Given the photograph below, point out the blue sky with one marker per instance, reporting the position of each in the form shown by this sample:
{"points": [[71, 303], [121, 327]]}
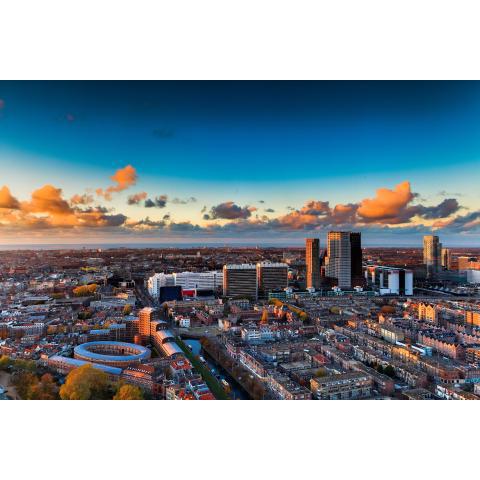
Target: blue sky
{"points": [[236, 143]]}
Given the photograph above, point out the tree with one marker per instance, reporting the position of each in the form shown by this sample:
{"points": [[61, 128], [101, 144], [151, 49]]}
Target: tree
{"points": [[85, 290], [86, 383], [389, 370], [4, 362], [24, 383], [127, 309], [45, 389], [264, 319], [128, 392]]}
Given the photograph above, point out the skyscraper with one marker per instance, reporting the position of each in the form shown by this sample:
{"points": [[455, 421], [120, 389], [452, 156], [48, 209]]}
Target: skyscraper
{"points": [[356, 259], [432, 254], [344, 258], [312, 260], [446, 259], [145, 318]]}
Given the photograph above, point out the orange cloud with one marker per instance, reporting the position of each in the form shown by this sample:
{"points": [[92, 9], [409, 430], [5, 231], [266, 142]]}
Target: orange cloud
{"points": [[7, 200], [47, 209], [387, 206], [47, 199], [123, 178]]}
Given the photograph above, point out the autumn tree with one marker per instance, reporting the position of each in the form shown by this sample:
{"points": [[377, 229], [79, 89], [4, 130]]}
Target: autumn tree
{"points": [[264, 319], [127, 310], [24, 383], [86, 383], [45, 389], [4, 362], [85, 290], [128, 392]]}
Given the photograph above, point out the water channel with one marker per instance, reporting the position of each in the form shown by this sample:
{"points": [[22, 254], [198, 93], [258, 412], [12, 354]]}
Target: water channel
{"points": [[238, 393]]}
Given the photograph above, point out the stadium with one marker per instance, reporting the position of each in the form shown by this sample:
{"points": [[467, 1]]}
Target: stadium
{"points": [[114, 354]]}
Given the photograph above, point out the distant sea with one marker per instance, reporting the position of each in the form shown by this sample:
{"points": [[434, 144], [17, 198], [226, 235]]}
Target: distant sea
{"points": [[106, 246]]}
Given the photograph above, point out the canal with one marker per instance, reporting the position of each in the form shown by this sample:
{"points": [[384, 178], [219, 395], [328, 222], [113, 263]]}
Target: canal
{"points": [[238, 393]]}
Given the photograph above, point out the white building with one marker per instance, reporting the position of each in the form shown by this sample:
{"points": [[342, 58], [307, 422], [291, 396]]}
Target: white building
{"points": [[473, 276], [199, 280], [187, 280], [155, 282], [390, 280]]}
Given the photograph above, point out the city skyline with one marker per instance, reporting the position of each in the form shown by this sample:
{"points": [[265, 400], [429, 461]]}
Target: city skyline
{"points": [[238, 162]]}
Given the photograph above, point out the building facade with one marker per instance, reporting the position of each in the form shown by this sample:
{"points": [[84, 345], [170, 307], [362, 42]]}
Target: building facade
{"points": [[344, 259], [240, 281], [271, 277], [432, 254], [312, 261]]}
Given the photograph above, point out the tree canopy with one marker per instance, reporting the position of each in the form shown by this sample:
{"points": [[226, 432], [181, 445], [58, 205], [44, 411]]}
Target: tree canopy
{"points": [[85, 290], [86, 383], [128, 392]]}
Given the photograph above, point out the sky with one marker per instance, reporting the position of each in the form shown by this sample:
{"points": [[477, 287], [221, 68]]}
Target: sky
{"points": [[239, 162]]}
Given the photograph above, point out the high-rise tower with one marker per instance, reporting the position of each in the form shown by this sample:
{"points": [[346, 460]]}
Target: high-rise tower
{"points": [[312, 260], [432, 254], [344, 258]]}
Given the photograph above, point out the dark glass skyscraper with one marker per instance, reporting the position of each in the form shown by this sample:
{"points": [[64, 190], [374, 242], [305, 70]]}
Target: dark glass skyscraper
{"points": [[356, 259]]}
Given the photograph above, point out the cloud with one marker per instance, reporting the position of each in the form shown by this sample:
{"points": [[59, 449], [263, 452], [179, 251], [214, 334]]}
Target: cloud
{"points": [[180, 201], [7, 200], [158, 202], [461, 223], [136, 198], [47, 199], [123, 179], [444, 209], [48, 209], [84, 199], [387, 206], [389, 211], [444, 193], [229, 211]]}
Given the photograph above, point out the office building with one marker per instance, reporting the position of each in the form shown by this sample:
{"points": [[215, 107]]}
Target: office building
{"points": [[432, 253], [198, 280], [145, 319], [356, 258], [312, 260], [186, 280], [390, 280], [446, 259], [240, 281], [271, 277], [344, 259], [157, 281]]}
